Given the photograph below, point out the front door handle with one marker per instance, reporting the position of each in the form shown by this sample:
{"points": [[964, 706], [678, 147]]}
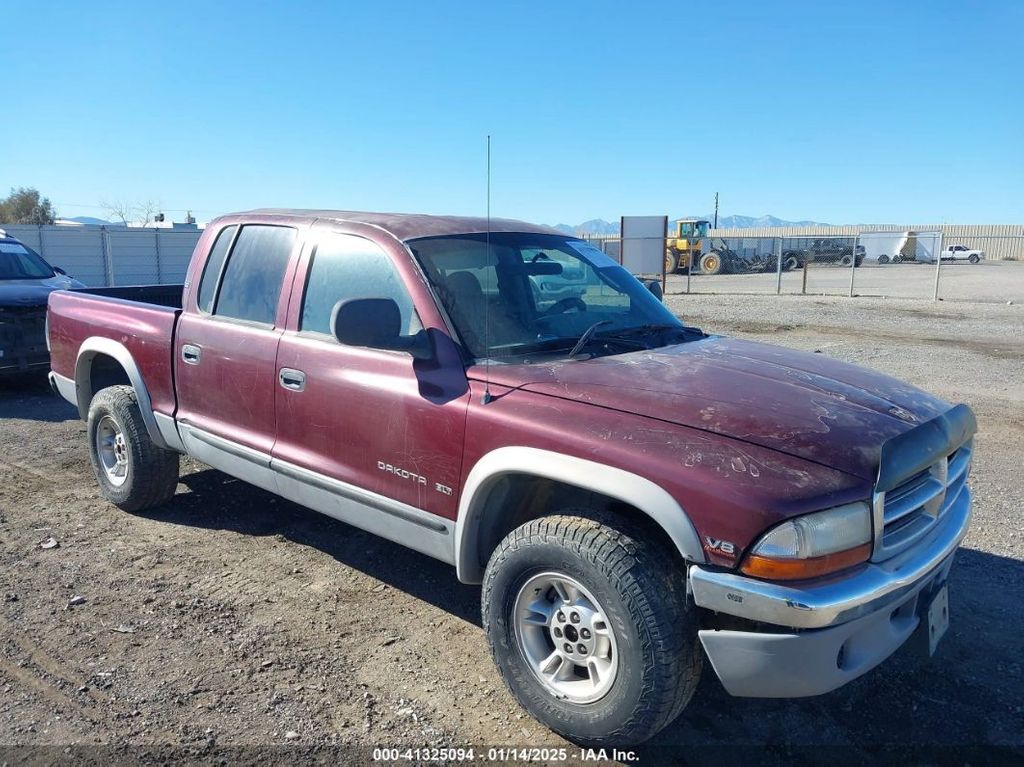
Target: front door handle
{"points": [[191, 354], [291, 379]]}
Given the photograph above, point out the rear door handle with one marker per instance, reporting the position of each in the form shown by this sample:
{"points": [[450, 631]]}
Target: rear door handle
{"points": [[291, 379], [191, 354]]}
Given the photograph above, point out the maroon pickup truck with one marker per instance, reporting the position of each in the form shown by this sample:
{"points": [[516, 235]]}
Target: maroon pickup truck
{"points": [[632, 493]]}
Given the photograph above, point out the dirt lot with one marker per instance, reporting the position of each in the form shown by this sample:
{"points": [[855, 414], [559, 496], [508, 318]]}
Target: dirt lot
{"points": [[230, 617]]}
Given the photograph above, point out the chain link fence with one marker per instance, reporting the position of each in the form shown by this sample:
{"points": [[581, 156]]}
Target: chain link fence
{"points": [[925, 265]]}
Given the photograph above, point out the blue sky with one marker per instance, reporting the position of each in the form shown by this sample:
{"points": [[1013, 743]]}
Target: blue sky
{"points": [[839, 112]]}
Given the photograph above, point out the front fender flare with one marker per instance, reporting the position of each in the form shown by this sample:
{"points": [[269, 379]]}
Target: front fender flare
{"points": [[616, 483], [95, 345]]}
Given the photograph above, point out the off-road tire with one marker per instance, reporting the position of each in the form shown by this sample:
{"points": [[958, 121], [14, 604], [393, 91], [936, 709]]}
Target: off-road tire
{"points": [[152, 473], [642, 591], [974, 258], [671, 262], [712, 263], [789, 263]]}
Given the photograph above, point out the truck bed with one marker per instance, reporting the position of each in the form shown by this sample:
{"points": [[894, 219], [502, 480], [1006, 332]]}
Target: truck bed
{"points": [[140, 319], [160, 295]]}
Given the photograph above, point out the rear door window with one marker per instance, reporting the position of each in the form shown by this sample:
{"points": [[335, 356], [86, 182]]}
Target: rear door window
{"points": [[251, 286]]}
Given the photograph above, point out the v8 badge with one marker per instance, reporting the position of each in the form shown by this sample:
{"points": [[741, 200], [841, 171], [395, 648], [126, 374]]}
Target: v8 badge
{"points": [[719, 546]]}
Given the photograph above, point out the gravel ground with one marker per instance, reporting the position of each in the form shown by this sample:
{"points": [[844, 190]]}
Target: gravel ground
{"points": [[232, 618]]}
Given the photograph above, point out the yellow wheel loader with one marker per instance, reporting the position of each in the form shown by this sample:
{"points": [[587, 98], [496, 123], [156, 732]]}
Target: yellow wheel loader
{"points": [[685, 247]]}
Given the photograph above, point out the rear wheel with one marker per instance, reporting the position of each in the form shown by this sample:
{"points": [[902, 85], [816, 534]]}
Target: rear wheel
{"points": [[711, 263], [671, 261], [133, 473], [883, 259], [590, 627], [974, 258]]}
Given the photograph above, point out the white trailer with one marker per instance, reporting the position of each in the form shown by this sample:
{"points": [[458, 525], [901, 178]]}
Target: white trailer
{"points": [[894, 247], [883, 247]]}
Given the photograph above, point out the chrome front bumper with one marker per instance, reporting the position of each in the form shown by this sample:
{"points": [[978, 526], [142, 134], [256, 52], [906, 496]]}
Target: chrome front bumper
{"points": [[826, 633], [842, 598]]}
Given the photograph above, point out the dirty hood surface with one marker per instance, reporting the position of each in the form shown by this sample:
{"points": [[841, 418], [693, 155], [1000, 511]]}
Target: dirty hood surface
{"points": [[805, 405]]}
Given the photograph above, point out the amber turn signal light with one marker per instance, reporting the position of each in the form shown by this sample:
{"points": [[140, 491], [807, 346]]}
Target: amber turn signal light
{"points": [[791, 569]]}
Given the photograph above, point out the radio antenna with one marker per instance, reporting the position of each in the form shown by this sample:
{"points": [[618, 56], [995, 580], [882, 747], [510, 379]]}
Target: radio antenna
{"points": [[487, 303]]}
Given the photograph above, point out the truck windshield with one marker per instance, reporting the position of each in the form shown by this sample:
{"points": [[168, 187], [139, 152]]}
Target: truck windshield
{"points": [[19, 263], [539, 294]]}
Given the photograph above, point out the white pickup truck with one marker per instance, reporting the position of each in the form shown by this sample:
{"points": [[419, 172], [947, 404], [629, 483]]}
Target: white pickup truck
{"points": [[960, 253]]}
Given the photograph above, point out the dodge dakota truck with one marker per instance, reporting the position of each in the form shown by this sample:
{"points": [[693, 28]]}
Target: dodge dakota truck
{"points": [[634, 495]]}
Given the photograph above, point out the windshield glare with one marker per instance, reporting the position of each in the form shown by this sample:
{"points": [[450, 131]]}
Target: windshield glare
{"points": [[19, 263], [538, 292]]}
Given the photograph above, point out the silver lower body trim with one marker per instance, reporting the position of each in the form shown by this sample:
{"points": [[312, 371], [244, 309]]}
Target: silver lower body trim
{"points": [[842, 598], [65, 387], [412, 527], [168, 429]]}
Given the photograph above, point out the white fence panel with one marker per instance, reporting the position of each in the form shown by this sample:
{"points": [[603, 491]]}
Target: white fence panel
{"points": [[132, 254], [101, 257], [27, 234], [79, 252], [175, 254]]}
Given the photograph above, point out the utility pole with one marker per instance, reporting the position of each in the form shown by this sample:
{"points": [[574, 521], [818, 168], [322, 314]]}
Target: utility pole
{"points": [[716, 211]]}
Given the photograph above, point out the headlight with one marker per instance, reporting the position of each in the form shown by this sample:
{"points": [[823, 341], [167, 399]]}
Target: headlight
{"points": [[812, 545]]}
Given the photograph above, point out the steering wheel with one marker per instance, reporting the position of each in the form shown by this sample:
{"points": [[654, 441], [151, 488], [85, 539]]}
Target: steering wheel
{"points": [[564, 305]]}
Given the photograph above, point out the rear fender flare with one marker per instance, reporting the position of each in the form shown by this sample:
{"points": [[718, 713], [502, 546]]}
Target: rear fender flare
{"points": [[95, 345], [616, 483]]}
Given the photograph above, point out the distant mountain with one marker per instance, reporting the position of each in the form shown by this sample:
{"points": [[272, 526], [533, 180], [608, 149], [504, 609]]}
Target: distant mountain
{"points": [[87, 220], [601, 228], [594, 227], [746, 222]]}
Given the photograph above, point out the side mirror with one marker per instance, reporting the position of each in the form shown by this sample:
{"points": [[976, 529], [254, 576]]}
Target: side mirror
{"points": [[655, 287], [58, 270], [376, 323]]}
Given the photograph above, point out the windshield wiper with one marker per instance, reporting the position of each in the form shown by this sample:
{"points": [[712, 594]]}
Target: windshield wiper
{"points": [[651, 328], [587, 335], [654, 328]]}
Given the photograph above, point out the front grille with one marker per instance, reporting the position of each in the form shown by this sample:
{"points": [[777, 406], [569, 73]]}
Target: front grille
{"points": [[22, 332], [909, 510]]}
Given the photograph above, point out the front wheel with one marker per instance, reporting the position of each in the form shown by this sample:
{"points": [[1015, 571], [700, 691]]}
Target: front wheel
{"points": [[711, 263], [671, 262], [883, 259], [590, 628], [132, 471]]}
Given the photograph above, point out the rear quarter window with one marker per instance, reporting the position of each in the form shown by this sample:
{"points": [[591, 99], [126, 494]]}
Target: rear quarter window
{"points": [[251, 286], [212, 269]]}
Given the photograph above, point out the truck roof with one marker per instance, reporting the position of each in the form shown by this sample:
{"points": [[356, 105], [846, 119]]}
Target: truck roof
{"points": [[403, 226]]}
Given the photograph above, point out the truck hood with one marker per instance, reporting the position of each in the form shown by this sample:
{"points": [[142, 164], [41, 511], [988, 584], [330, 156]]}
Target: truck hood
{"points": [[33, 292], [806, 405]]}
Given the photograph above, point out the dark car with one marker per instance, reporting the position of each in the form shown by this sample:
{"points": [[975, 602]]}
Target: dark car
{"points": [[825, 250], [26, 281]]}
